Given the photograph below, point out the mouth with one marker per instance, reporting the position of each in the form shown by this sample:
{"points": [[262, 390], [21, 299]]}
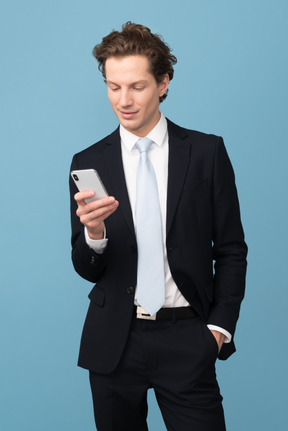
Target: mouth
{"points": [[127, 114]]}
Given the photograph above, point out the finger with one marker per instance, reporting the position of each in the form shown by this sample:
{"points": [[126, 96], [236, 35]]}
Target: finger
{"points": [[97, 222], [99, 205], [81, 196], [98, 215]]}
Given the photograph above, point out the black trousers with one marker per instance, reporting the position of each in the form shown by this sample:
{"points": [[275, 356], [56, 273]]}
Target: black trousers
{"points": [[176, 359]]}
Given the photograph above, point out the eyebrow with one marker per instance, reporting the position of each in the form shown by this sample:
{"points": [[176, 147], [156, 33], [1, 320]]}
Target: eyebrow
{"points": [[142, 81]]}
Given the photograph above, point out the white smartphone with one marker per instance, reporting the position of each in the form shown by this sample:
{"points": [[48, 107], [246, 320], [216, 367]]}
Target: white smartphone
{"points": [[88, 179]]}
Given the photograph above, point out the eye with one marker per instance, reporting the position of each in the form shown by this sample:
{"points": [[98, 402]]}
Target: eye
{"points": [[139, 88], [114, 88]]}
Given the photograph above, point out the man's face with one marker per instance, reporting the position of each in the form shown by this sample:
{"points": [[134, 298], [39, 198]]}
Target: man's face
{"points": [[134, 93]]}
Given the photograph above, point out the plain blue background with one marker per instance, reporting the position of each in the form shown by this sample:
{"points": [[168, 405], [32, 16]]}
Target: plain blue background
{"points": [[231, 80]]}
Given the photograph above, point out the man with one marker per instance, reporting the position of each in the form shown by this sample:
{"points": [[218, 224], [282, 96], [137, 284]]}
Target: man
{"points": [[156, 290]]}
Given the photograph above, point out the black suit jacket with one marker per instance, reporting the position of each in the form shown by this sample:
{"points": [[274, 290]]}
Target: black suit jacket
{"points": [[203, 225]]}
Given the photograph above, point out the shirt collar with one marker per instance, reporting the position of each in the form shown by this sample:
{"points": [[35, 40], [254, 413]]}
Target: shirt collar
{"points": [[157, 134]]}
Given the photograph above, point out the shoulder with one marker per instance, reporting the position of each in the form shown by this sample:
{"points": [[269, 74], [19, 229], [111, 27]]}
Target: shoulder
{"points": [[98, 147], [200, 143], [190, 135]]}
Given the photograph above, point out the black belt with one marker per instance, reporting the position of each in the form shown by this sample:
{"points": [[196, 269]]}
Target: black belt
{"points": [[173, 314]]}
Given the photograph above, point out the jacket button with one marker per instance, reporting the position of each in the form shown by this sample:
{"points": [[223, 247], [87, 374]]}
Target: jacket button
{"points": [[93, 260], [130, 289], [172, 248], [133, 248]]}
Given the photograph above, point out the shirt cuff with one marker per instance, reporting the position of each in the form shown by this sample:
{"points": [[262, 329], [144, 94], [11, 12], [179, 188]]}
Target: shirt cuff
{"points": [[228, 336], [98, 245]]}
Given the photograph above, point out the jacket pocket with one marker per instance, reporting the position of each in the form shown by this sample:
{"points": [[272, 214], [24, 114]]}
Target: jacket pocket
{"points": [[213, 340], [97, 295]]}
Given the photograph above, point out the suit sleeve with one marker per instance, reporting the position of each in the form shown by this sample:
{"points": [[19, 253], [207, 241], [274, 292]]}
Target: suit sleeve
{"points": [[229, 247], [87, 263]]}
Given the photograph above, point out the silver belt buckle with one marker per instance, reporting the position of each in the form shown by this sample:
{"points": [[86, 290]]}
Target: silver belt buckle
{"points": [[142, 314]]}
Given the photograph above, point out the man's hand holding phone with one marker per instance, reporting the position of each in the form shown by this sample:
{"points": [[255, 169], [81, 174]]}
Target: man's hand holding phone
{"points": [[93, 214]]}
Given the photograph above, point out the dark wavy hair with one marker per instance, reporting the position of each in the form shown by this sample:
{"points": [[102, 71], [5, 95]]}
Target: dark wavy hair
{"points": [[136, 39]]}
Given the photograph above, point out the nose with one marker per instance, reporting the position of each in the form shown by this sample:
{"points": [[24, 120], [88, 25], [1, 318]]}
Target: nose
{"points": [[125, 98]]}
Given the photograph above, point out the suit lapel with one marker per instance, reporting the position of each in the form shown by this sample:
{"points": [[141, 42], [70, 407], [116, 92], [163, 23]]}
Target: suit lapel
{"points": [[113, 159], [179, 157]]}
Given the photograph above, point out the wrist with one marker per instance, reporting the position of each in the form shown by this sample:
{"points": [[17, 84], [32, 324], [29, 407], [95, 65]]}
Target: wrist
{"points": [[96, 236]]}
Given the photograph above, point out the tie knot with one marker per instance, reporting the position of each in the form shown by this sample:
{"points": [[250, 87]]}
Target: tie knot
{"points": [[143, 144]]}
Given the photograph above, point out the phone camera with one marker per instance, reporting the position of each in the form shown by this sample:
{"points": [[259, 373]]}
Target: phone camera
{"points": [[75, 177]]}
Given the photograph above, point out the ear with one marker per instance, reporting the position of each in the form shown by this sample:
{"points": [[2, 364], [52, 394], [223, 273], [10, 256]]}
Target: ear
{"points": [[163, 85]]}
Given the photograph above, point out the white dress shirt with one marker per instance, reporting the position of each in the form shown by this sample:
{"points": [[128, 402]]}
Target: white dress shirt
{"points": [[158, 155]]}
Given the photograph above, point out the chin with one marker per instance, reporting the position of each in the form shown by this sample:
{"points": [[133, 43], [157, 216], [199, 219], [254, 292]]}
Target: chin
{"points": [[130, 125]]}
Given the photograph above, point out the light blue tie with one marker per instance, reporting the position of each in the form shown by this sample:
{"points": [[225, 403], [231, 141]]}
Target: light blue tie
{"points": [[150, 272]]}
